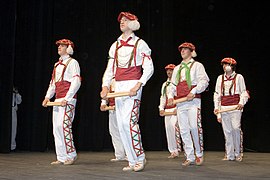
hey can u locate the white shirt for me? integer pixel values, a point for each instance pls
(198, 77)
(103, 101)
(123, 58)
(240, 89)
(72, 75)
(162, 99)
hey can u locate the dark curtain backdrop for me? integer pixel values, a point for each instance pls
(218, 29)
(7, 53)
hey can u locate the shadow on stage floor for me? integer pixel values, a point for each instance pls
(97, 165)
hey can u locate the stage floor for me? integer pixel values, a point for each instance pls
(97, 165)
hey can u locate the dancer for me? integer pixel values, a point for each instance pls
(64, 84)
(119, 151)
(131, 64)
(189, 80)
(171, 123)
(230, 97)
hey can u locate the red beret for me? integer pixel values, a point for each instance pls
(170, 66)
(65, 42)
(229, 61)
(127, 15)
(187, 45)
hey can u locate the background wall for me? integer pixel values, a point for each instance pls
(217, 29)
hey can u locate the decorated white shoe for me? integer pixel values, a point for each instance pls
(70, 161)
(187, 163)
(128, 168)
(239, 159)
(173, 155)
(56, 162)
(225, 159)
(199, 161)
(140, 166)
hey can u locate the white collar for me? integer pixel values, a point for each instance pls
(65, 57)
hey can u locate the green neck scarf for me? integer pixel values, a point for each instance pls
(188, 78)
(164, 91)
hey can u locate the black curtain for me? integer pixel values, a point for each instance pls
(7, 54)
(218, 30)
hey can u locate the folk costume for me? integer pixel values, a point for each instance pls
(64, 85)
(119, 150)
(230, 91)
(190, 77)
(129, 63)
(171, 124)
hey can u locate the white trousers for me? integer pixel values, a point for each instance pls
(13, 128)
(127, 115)
(62, 130)
(171, 132)
(231, 124)
(189, 118)
(119, 150)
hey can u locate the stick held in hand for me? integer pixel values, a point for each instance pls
(117, 94)
(109, 108)
(54, 104)
(226, 110)
(169, 113)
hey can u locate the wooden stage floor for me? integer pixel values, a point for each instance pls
(97, 165)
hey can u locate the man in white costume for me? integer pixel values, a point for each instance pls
(131, 64)
(171, 123)
(231, 93)
(119, 151)
(189, 80)
(64, 84)
(16, 99)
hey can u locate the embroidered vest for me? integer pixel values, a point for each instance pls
(61, 86)
(231, 99)
(182, 88)
(129, 73)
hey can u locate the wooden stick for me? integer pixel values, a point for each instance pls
(53, 103)
(180, 100)
(109, 108)
(226, 110)
(117, 94)
(169, 113)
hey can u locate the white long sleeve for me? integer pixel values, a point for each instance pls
(144, 52)
(162, 99)
(72, 75)
(198, 75)
(239, 89)
(143, 58)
